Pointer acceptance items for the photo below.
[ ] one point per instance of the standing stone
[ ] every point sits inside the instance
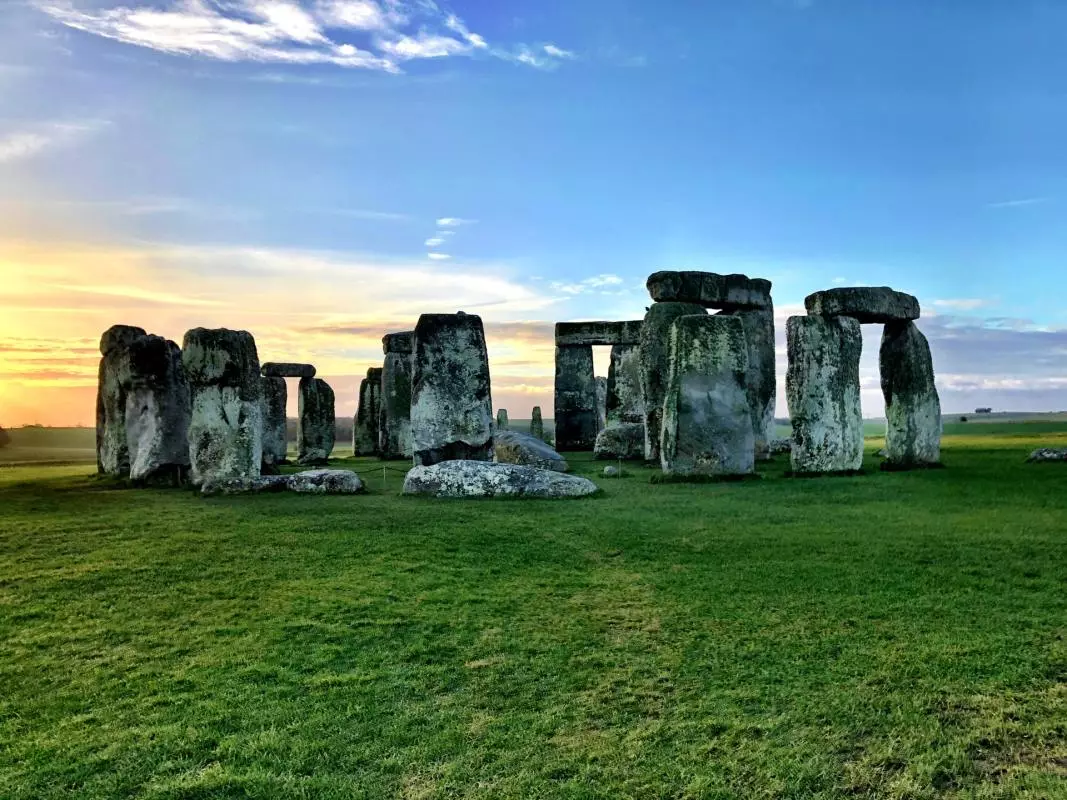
(112, 450)
(226, 429)
(157, 409)
(823, 390)
(655, 365)
(575, 398)
(623, 403)
(502, 419)
(707, 423)
(275, 434)
(912, 407)
(601, 403)
(316, 425)
(537, 425)
(451, 403)
(760, 378)
(365, 425)
(394, 421)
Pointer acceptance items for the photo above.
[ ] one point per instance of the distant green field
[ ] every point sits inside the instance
(55, 445)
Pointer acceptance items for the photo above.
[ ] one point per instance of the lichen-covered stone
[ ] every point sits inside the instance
(864, 303)
(781, 446)
(317, 422)
(710, 290)
(513, 447)
(365, 425)
(113, 379)
(280, 369)
(707, 422)
(601, 402)
(537, 425)
(912, 407)
(402, 343)
(486, 479)
(394, 420)
(275, 436)
(226, 428)
(325, 481)
(575, 399)
(1048, 454)
(823, 392)
(655, 365)
(624, 403)
(264, 484)
(451, 401)
(158, 409)
(502, 419)
(760, 378)
(621, 440)
(571, 334)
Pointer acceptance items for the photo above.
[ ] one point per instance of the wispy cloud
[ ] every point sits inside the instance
(962, 304)
(1025, 201)
(454, 222)
(597, 283)
(19, 145)
(438, 256)
(435, 241)
(360, 213)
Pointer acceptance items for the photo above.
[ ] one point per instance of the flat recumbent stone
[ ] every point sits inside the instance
(868, 304)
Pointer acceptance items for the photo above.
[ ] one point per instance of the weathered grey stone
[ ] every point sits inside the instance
(710, 290)
(781, 446)
(402, 343)
(1047, 454)
(513, 447)
(257, 485)
(226, 429)
(486, 479)
(601, 402)
(275, 435)
(279, 369)
(863, 303)
(621, 440)
(575, 399)
(113, 380)
(502, 419)
(912, 407)
(537, 425)
(612, 472)
(325, 481)
(572, 334)
(823, 391)
(317, 422)
(158, 409)
(707, 422)
(655, 365)
(394, 420)
(365, 425)
(624, 403)
(451, 402)
(760, 378)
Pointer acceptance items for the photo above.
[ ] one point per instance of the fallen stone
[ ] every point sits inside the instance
(622, 440)
(1046, 454)
(113, 379)
(317, 422)
(402, 343)
(601, 402)
(365, 425)
(513, 447)
(710, 290)
(277, 369)
(912, 407)
(781, 446)
(394, 419)
(864, 303)
(624, 403)
(275, 434)
(326, 481)
(259, 485)
(486, 479)
(502, 419)
(760, 377)
(537, 425)
(572, 334)
(158, 409)
(575, 399)
(612, 472)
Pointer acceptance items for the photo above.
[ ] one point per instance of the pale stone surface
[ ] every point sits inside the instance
(612, 472)
(621, 440)
(451, 401)
(710, 290)
(781, 446)
(394, 420)
(707, 422)
(537, 425)
(226, 428)
(325, 481)
(112, 449)
(823, 391)
(317, 421)
(601, 402)
(912, 407)
(282, 369)
(513, 447)
(760, 378)
(486, 479)
(571, 334)
(1043, 454)
(365, 425)
(863, 303)
(258, 485)
(655, 364)
(402, 343)
(575, 399)
(624, 403)
(502, 419)
(158, 409)
(275, 436)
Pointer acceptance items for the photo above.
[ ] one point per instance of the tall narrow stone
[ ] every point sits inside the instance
(537, 425)
(601, 403)
(575, 398)
(502, 419)
(112, 450)
(912, 407)
(226, 429)
(655, 365)
(760, 378)
(451, 401)
(275, 432)
(823, 390)
(158, 410)
(365, 425)
(316, 425)
(707, 423)
(394, 421)
(623, 402)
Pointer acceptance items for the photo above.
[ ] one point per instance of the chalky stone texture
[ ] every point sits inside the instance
(403, 343)
(325, 481)
(365, 425)
(1047, 454)
(265, 484)
(760, 378)
(624, 402)
(278, 369)
(394, 420)
(575, 399)
(780, 446)
(451, 402)
(157, 409)
(513, 447)
(112, 450)
(710, 290)
(823, 391)
(226, 428)
(573, 334)
(912, 407)
(486, 479)
(316, 425)
(537, 425)
(621, 440)
(275, 438)
(707, 422)
(655, 364)
(502, 419)
(601, 403)
(864, 303)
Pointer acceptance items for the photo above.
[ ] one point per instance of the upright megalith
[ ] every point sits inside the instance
(601, 403)
(623, 402)
(316, 423)
(864, 303)
(823, 390)
(394, 420)
(502, 419)
(537, 425)
(451, 402)
(655, 365)
(226, 428)
(275, 434)
(575, 398)
(157, 410)
(760, 377)
(707, 423)
(365, 426)
(112, 450)
(912, 407)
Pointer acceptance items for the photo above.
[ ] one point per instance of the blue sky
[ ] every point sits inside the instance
(534, 161)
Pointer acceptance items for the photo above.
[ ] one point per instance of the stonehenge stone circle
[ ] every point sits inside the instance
(486, 479)
(624, 402)
(273, 369)
(760, 377)
(275, 434)
(502, 419)
(864, 303)
(823, 392)
(317, 421)
(394, 421)
(912, 407)
(575, 398)
(710, 290)
(325, 481)
(451, 402)
(157, 409)
(112, 449)
(707, 422)
(226, 428)
(577, 334)
(403, 342)
(365, 425)
(513, 447)
(601, 402)
(537, 425)
(624, 440)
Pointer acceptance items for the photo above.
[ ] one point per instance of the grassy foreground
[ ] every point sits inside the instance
(886, 636)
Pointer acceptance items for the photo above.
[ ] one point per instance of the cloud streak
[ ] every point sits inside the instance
(19, 145)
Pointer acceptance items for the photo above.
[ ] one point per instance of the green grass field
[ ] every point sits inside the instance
(892, 635)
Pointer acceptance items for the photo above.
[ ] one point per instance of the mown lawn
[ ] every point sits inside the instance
(887, 636)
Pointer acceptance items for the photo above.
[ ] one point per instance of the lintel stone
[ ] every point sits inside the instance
(709, 289)
(402, 343)
(281, 369)
(578, 334)
(868, 304)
